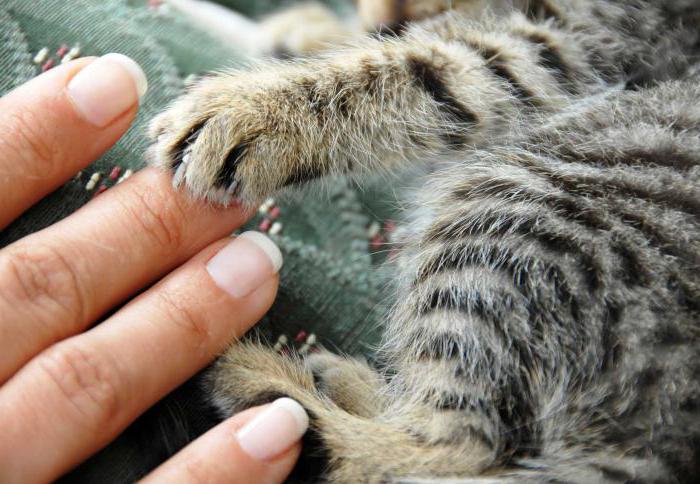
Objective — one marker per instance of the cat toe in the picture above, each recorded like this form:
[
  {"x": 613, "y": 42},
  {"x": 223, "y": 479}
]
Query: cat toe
[
  {"x": 203, "y": 158},
  {"x": 350, "y": 383}
]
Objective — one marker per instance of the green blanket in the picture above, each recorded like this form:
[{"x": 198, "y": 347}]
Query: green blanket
[{"x": 332, "y": 238}]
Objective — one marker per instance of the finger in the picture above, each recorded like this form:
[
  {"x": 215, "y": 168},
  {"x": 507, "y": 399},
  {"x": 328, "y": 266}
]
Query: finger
[
  {"x": 57, "y": 282},
  {"x": 59, "y": 122},
  {"x": 79, "y": 394},
  {"x": 259, "y": 445}
]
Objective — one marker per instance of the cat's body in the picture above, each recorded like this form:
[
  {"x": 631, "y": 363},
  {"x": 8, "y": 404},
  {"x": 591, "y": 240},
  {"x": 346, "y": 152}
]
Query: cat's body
[{"x": 547, "y": 324}]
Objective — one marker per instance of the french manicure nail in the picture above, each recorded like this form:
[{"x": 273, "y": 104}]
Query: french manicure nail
[
  {"x": 106, "y": 88},
  {"x": 245, "y": 264},
  {"x": 274, "y": 430}
]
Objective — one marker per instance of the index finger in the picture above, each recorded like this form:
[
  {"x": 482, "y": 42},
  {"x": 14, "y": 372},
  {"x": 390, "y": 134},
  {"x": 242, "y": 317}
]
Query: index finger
[{"x": 58, "y": 123}]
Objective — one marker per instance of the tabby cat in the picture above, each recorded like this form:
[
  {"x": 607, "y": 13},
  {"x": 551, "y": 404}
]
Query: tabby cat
[{"x": 547, "y": 323}]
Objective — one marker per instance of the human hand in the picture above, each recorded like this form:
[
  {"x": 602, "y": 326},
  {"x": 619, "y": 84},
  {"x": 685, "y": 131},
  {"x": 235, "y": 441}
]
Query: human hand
[{"x": 68, "y": 388}]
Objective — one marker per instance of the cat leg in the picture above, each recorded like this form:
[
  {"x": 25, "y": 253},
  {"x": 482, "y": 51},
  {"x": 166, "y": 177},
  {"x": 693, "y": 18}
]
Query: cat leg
[
  {"x": 349, "y": 382},
  {"x": 305, "y": 29},
  {"x": 392, "y": 444},
  {"x": 235, "y": 383},
  {"x": 414, "y": 435},
  {"x": 376, "y": 107},
  {"x": 300, "y": 30}
]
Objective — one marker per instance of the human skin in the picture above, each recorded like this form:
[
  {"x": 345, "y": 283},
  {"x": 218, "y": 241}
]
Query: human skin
[{"x": 68, "y": 386}]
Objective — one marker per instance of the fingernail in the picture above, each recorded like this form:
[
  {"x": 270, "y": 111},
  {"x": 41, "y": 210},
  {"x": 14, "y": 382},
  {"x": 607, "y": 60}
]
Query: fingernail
[
  {"x": 274, "y": 430},
  {"x": 245, "y": 264},
  {"x": 106, "y": 88}
]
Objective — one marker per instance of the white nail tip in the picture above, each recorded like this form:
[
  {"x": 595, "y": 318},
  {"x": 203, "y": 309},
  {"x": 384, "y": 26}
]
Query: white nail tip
[
  {"x": 269, "y": 247},
  {"x": 274, "y": 430},
  {"x": 296, "y": 411},
  {"x": 134, "y": 70}
]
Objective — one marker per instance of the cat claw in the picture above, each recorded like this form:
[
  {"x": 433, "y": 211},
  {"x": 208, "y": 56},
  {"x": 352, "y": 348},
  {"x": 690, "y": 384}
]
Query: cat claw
[{"x": 181, "y": 171}]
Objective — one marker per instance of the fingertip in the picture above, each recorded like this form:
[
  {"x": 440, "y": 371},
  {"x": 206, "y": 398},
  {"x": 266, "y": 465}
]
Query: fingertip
[
  {"x": 274, "y": 430},
  {"x": 266, "y": 244},
  {"x": 134, "y": 69},
  {"x": 293, "y": 408},
  {"x": 217, "y": 456},
  {"x": 245, "y": 264},
  {"x": 107, "y": 88}
]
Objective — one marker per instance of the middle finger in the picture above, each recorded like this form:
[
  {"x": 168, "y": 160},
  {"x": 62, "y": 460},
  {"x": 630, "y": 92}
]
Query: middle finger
[{"x": 57, "y": 282}]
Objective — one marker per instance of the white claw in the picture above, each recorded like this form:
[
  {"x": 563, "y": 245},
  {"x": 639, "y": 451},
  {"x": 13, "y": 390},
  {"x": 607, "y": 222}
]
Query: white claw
[
  {"x": 231, "y": 190},
  {"x": 180, "y": 174}
]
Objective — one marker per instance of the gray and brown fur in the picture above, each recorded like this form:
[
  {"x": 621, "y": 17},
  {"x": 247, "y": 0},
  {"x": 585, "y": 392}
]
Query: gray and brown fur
[{"x": 547, "y": 324}]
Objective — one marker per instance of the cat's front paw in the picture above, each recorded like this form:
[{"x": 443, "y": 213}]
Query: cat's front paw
[{"x": 235, "y": 137}]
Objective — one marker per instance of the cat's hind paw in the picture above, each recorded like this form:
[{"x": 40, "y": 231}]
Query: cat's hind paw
[{"x": 349, "y": 382}]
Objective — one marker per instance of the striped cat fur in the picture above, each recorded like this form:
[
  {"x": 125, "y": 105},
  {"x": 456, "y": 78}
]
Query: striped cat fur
[{"x": 547, "y": 320}]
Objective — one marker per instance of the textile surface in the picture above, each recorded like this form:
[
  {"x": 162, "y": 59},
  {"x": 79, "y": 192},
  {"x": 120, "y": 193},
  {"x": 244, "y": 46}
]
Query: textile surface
[{"x": 333, "y": 238}]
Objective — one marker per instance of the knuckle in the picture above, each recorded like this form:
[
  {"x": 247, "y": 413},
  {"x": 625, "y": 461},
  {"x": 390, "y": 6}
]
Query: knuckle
[
  {"x": 156, "y": 215},
  {"x": 182, "y": 315},
  {"x": 32, "y": 143},
  {"x": 89, "y": 382},
  {"x": 44, "y": 277}
]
